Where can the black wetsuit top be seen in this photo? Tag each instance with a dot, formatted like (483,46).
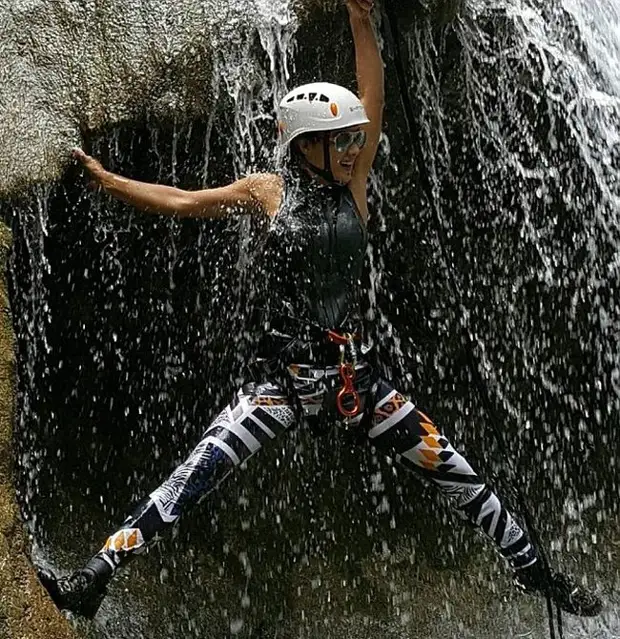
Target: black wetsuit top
(313,259)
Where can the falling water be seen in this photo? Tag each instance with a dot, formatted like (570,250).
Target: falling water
(127,332)
(520,132)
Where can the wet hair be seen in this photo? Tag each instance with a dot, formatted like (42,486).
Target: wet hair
(312,137)
(299,160)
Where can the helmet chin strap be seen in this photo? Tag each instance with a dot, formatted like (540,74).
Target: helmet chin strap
(325,173)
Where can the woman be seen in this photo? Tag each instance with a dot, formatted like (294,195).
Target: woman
(312,362)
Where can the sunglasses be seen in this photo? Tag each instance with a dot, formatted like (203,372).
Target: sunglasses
(346,139)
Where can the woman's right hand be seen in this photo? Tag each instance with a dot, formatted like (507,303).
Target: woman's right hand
(93,166)
(360,8)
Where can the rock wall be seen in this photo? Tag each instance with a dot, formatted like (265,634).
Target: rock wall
(25,611)
(73,68)
(77,67)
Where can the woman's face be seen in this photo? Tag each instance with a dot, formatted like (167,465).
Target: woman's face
(342,162)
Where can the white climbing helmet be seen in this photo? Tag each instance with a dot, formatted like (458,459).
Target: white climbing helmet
(318,107)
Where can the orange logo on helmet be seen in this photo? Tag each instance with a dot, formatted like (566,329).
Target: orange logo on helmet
(334,109)
(281,127)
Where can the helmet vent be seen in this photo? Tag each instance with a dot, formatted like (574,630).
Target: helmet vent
(324,98)
(291,98)
(301,96)
(312,97)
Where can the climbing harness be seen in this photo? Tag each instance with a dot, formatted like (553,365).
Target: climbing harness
(348,399)
(346,368)
(392,37)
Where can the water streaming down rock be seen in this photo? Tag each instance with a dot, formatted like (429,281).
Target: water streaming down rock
(124,321)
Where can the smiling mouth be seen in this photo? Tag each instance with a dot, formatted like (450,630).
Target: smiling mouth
(347,166)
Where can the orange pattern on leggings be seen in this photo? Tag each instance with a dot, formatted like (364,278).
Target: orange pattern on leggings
(430,443)
(125,540)
(265,400)
(389,408)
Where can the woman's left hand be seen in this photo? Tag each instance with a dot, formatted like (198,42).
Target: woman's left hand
(360,8)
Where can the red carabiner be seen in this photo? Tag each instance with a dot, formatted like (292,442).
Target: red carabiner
(347,373)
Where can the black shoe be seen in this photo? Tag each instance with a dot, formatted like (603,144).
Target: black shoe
(83,591)
(565,591)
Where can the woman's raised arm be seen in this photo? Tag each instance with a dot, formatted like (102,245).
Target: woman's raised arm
(370,79)
(243,196)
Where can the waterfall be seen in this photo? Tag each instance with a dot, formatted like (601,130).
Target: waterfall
(128,324)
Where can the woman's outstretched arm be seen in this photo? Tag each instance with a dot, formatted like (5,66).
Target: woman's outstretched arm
(245,195)
(370,78)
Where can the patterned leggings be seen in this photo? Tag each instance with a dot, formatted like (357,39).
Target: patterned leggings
(262,412)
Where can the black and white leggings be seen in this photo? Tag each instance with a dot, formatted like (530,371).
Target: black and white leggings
(262,412)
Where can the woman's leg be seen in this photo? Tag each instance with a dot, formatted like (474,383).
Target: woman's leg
(410,437)
(257,416)
(259,413)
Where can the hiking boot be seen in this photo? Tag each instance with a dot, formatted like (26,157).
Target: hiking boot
(564,590)
(81,592)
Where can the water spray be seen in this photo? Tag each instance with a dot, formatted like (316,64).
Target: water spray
(392,36)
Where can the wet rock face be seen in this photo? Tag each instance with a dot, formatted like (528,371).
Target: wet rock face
(72,67)
(75,67)
(24,610)
(129,325)
(439,11)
